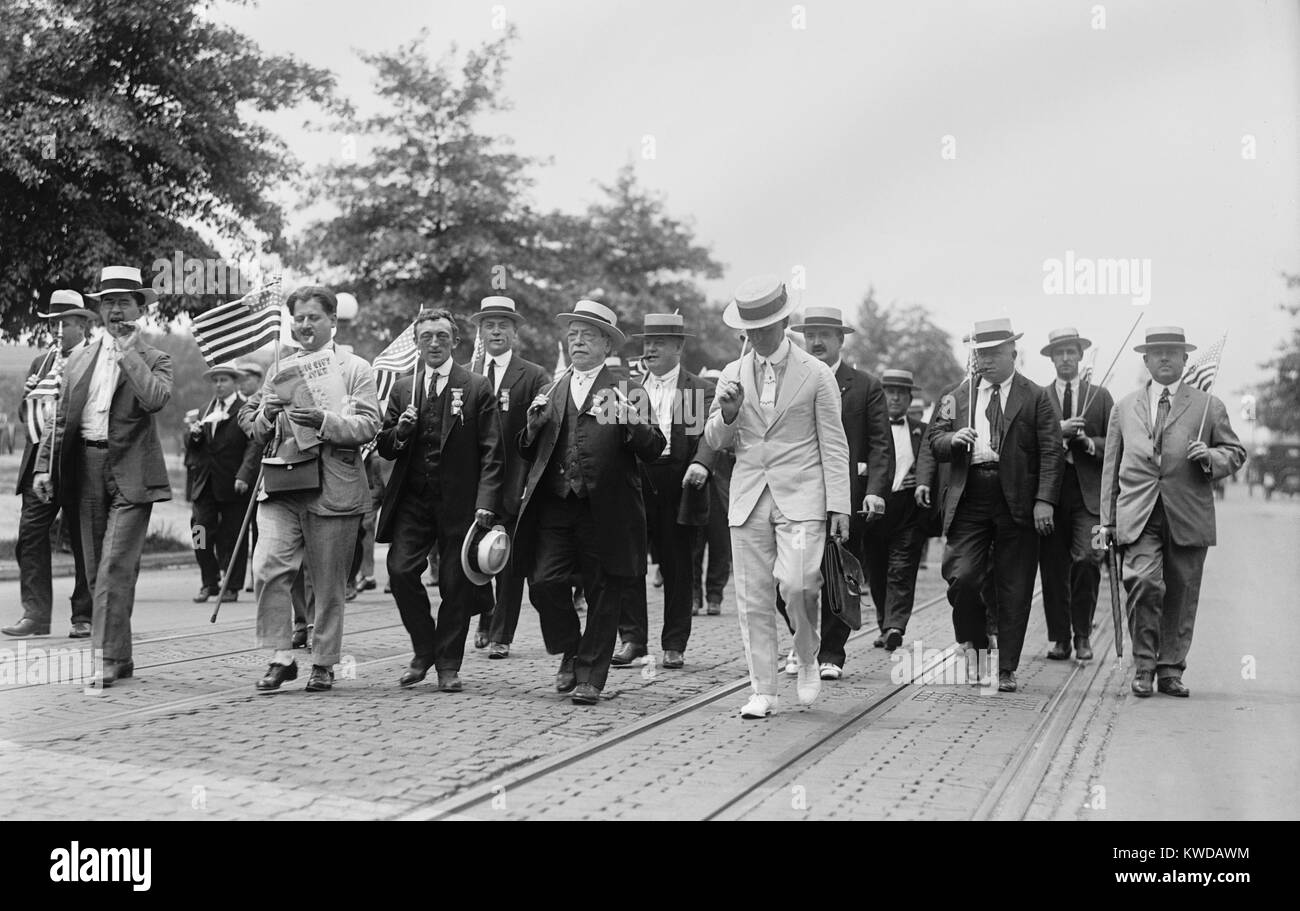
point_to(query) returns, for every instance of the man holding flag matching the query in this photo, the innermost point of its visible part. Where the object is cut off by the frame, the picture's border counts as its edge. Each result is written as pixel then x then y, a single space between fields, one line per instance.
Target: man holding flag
pixel 1168 442
pixel 67 312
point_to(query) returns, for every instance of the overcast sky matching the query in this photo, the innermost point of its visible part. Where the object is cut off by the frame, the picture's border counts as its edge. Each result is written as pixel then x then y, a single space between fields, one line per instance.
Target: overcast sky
pixel 822 147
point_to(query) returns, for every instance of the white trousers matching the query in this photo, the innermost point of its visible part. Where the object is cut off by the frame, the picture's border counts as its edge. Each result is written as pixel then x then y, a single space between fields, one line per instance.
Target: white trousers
pixel 768 551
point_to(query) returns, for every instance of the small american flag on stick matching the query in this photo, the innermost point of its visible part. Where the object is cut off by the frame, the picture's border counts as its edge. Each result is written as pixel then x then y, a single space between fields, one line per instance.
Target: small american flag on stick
pixel 1201 374
pixel 240 327
pixel 397 360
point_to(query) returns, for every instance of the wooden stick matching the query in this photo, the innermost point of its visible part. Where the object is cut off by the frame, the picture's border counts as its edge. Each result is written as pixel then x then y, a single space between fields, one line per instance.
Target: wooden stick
pixel 1206 413
pixel 1092 392
pixel 239 544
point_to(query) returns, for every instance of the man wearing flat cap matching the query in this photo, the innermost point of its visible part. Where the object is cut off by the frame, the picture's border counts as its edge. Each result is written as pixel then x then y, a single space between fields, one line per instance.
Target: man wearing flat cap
pixel 443 434
pixel 780 408
pixel 582 510
pixel 515 382
pixel 1069 565
pixel 72 323
pixel 673 486
pixel 893 545
pixel 1006 460
pixel 110 460
pixel 223 465
pixel 1168 442
pixel 865 417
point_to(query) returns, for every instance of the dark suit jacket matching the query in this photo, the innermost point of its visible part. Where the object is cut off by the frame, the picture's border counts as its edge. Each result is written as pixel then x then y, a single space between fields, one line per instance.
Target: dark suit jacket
pixel 217 458
pixel 690 412
pixel 522 383
pixel 471 462
pixel 1095 423
pixel 144 386
pixel 1029 464
pixel 42 365
pixel 608 459
pixel 865 416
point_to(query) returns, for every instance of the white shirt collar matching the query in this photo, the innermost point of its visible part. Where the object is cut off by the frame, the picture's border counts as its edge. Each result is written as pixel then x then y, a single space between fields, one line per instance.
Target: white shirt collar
pixel 1005 385
pixel 835 367
pixel 588 374
pixel 1156 387
pixel 669 378
pixel 501 360
pixel 777 357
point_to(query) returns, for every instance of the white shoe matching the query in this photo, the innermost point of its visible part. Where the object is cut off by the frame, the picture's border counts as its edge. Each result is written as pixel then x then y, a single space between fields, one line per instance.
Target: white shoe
pixel 809 686
pixel 792 663
pixel 760 706
pixel 831 672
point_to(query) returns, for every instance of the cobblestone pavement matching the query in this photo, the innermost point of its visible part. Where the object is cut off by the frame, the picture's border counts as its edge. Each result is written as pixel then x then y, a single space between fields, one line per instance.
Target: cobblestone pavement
pixel 189 738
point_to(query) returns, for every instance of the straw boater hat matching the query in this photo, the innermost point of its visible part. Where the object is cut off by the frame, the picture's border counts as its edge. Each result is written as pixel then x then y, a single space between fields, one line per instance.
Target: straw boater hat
pixel 671 325
pixel 67 303
pixel 758 302
pixel 251 368
pixel 114 279
pixel 1067 336
pixel 598 315
pixel 990 333
pixel 496 306
pixel 230 370
pixel 823 318
pixel 901 379
pixel 484 552
pixel 1164 335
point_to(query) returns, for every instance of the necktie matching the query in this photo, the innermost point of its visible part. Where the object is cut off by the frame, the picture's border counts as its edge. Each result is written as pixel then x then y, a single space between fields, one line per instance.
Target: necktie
pixel 1067 403
pixel 768 395
pixel 994 414
pixel 1162 415
pixel 492 374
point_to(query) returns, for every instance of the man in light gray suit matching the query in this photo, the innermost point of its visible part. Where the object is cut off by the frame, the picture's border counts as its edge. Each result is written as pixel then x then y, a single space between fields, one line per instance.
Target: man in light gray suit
pixel 104 455
pixel 1166 445
pixel 780 408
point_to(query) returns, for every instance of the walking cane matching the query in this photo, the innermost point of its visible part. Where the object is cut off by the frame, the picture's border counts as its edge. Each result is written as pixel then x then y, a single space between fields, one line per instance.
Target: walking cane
pixel 239 544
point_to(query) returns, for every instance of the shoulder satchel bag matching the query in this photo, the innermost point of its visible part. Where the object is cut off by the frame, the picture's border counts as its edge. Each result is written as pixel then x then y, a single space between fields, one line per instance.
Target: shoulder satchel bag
pixel 302 473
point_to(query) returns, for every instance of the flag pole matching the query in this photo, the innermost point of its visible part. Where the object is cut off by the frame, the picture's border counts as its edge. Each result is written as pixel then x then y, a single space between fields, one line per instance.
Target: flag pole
pixel 1092 393
pixel 971 380
pixel 1223 343
pixel 239 543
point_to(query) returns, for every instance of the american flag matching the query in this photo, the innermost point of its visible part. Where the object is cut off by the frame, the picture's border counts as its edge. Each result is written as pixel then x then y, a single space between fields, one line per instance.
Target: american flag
pixel 479 357
pixel 240 327
pixel 1201 374
pixel 397 360
pixel 41 402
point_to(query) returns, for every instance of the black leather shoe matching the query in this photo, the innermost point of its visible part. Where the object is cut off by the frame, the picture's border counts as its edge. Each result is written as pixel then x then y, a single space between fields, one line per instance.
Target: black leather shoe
pixel 350 592
pixel 565 680
pixel 1082 648
pixel 449 682
pixel 204 594
pixel 481 639
pixel 674 659
pixel 230 595
pixel 123 669
pixel 321 679
pixel 277 674
pixel 1007 682
pixel 1173 686
pixel 414 674
pixel 498 650
pixel 586 694
pixel 26 627
pixel 1059 651
pixel 80 630
pixel 893 639
pixel 714 609
pixel 366 584
pixel 627 654
pixel 300 638
pixel 879 641
pixel 1142 685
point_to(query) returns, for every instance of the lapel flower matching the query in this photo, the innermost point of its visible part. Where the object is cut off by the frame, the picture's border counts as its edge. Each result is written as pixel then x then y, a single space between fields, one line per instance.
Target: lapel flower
pixel 458 404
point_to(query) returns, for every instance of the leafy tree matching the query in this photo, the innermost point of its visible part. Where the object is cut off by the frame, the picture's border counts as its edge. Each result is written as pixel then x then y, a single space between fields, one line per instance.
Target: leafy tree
pixel 129 133
pixel 903 337
pixel 1278 400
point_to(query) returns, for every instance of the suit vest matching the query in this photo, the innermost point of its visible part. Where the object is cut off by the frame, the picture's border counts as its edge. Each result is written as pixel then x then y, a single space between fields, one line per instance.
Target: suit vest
pixel 564 474
pixel 426 445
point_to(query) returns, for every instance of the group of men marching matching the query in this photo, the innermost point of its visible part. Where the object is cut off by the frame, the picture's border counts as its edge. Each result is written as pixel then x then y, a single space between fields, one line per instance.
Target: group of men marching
pixel 510 475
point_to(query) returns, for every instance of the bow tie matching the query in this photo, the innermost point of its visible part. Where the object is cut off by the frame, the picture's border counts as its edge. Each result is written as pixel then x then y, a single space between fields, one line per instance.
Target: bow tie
pixel 898 422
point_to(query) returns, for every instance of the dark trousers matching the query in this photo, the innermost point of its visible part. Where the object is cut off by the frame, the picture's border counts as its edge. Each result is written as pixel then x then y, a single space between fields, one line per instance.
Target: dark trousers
pixel 673 545
pixel 33 554
pixel 983 519
pixel 1163 582
pixel 567 539
pixel 219 524
pixel 1070 566
pixel 717 537
pixel 893 555
pixel 835 632
pixel 440 643
pixel 502 616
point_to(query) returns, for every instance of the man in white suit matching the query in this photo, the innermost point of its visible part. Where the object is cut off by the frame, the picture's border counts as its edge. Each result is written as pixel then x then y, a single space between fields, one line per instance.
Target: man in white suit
pixel 780 408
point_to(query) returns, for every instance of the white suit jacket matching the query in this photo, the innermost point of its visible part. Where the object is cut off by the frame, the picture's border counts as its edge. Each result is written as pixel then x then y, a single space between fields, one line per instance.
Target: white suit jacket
pixel 801 454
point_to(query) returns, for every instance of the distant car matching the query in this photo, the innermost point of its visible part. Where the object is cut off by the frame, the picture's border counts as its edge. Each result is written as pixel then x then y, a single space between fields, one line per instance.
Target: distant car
pixel 1279 468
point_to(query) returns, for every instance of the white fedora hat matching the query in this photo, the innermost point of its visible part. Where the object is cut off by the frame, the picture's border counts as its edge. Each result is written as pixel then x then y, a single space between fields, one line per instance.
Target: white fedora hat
pixel 496 306
pixel 484 552
pixel 598 315
pixel 67 303
pixel 116 279
pixel 758 302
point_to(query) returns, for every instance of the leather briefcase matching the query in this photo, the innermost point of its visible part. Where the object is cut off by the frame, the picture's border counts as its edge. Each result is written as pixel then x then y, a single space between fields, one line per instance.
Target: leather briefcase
pixel 845 583
pixel 302 474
